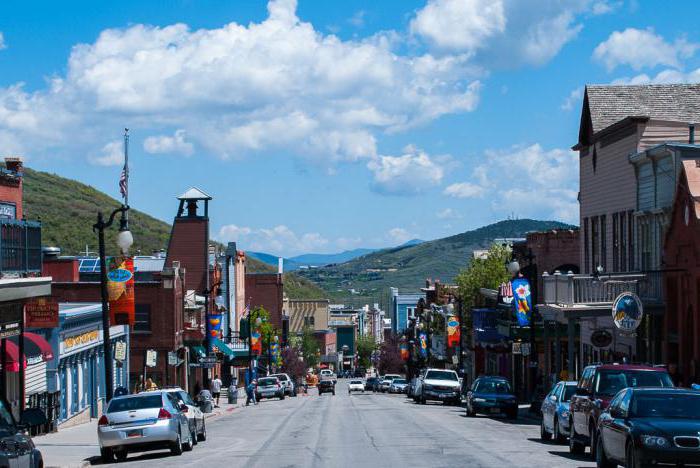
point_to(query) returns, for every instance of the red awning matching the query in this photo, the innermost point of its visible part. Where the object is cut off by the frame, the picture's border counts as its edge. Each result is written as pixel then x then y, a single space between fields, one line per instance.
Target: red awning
pixel 41 343
pixel 12 353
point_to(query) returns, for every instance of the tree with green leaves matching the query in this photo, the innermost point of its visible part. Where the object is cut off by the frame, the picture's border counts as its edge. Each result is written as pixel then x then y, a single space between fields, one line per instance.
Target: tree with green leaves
pixel 365 347
pixel 309 347
pixel 488 272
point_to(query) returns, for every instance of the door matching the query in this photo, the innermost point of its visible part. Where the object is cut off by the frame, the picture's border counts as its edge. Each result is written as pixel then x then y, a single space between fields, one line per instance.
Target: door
pixel 549 407
pixel 618 427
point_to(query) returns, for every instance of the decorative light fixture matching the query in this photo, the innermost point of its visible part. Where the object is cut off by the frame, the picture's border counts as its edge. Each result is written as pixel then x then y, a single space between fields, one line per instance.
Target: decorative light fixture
pixel 513 267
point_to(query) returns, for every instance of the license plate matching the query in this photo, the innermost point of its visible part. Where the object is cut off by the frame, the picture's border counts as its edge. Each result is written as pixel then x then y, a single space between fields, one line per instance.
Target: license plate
pixel 495 410
pixel 134 433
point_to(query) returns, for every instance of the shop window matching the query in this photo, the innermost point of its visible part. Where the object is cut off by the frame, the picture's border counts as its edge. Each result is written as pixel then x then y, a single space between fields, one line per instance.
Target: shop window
pixel 142 321
pixel 309 321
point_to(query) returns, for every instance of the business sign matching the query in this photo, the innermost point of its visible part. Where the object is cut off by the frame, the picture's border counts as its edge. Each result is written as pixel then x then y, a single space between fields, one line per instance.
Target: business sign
pixel 601 338
pixel 453 332
pixel 41 313
pixel 84 339
pixel 516 348
pixel 522 301
pixel 120 289
pixel 8 211
pixel 151 357
pixel 120 351
pixel 627 312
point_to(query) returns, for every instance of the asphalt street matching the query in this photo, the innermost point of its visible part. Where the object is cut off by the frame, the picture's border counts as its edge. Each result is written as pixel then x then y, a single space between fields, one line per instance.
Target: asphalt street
pixel 364 430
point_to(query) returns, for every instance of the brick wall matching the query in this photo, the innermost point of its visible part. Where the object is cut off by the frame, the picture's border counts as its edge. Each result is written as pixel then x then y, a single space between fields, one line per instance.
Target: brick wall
pixel 11 185
pixel 189 242
pixel 61 269
pixel 265 289
pixel 554 250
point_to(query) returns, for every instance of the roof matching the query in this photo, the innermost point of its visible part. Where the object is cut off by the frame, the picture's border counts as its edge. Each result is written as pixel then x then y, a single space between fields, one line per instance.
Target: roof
pixel 193 193
pixel 143 264
pixel 609 104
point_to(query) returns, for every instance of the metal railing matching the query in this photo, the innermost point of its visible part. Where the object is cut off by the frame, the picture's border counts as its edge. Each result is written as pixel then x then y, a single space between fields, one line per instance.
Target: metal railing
pixel 20 247
pixel 570 289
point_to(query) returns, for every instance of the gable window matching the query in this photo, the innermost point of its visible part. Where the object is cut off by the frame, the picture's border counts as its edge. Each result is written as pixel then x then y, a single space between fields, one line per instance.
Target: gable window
pixel 142 321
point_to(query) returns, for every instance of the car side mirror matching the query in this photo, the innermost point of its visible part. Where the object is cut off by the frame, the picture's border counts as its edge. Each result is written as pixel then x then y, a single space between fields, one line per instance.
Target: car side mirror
pixel 553 397
pixel 617 413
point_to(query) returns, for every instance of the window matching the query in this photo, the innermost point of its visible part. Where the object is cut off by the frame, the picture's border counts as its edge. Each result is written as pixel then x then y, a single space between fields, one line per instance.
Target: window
pixel 411 311
pixel 623 241
pixel 309 321
pixel 603 243
pixel 616 243
pixel 631 242
pixel 646 240
pixel 595 243
pixel 586 248
pixel 142 321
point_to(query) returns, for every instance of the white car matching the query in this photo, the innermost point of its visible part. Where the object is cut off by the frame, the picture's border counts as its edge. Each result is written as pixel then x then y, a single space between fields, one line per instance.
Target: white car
pixel 356 385
pixel 328 374
pixel 286 383
pixel 194 414
pixel 439 385
pixel 385 383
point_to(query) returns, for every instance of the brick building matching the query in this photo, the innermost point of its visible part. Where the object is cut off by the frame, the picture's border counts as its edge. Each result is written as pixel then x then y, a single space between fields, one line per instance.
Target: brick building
pixel 265 290
pixel 556 250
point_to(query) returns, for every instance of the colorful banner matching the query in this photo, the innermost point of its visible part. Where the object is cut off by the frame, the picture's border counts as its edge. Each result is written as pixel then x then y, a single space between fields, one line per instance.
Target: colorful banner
pixel 120 289
pixel 255 342
pixel 453 332
pixel 423 344
pixel 275 352
pixel 403 348
pixel 214 325
pixel 522 301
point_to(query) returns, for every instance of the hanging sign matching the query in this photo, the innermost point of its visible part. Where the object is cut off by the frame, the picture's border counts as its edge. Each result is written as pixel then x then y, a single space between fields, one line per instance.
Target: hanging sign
pixel 120 351
pixel 214 326
pixel 255 342
pixel 120 289
pixel 403 348
pixel 41 313
pixel 522 301
pixel 151 357
pixel 627 312
pixel 423 344
pixel 517 349
pixel 453 332
pixel 601 338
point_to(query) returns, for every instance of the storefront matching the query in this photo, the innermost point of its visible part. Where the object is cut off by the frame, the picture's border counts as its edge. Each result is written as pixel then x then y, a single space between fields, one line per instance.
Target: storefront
pixel 76 370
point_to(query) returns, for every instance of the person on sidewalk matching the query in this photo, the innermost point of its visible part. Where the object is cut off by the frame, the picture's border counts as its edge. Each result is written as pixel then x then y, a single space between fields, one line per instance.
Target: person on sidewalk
pixel 250 393
pixel 150 385
pixel 215 388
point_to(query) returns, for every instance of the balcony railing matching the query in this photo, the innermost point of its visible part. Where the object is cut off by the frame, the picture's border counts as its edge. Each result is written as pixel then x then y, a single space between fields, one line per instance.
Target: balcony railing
pixel 20 247
pixel 569 289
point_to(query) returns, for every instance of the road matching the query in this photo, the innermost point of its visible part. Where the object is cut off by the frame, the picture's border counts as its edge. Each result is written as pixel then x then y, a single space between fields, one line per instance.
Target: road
pixel 364 430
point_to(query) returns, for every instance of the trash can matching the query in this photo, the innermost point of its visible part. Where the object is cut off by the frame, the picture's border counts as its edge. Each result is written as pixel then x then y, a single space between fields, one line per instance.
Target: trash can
pixel 233 395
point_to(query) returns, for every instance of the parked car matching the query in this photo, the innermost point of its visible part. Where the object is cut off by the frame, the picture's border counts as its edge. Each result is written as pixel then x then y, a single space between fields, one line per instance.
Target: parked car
pixel 356 385
pixel 555 411
pixel 326 386
pixel 145 421
pixel 286 383
pixel 439 385
pixel 269 387
pixel 398 386
pixel 386 382
pixel 372 383
pixel 650 425
pixel 492 395
pixel 360 372
pixel 328 374
pixel 17 447
pixel 194 414
pixel 596 387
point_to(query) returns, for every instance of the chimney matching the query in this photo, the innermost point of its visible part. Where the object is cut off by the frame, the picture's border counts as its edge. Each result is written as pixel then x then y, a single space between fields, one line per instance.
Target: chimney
pixel 691 133
pixel 14 164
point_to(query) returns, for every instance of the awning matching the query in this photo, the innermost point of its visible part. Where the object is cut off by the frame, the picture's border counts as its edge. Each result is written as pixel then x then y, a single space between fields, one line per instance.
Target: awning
pixel 221 346
pixel 35 345
pixel 12 356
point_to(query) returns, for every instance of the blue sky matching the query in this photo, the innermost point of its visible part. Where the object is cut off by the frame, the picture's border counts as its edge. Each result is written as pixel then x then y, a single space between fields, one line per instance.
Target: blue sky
pixel 325 126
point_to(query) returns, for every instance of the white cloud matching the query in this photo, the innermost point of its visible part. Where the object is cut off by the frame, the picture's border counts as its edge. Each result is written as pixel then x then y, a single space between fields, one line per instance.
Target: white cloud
pixel 279 240
pixel 279 84
pixel 642 48
pixel 398 236
pixel 408 174
pixel 448 213
pixel 358 18
pixel 527 181
pixel 3 44
pixel 572 99
pixel 112 154
pixel 668 76
pixel 164 144
pixel 464 190
pixel 604 7
pixel 503 33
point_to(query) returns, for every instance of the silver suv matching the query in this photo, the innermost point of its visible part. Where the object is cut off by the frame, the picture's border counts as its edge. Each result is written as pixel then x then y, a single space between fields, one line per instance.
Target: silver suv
pixel 286 383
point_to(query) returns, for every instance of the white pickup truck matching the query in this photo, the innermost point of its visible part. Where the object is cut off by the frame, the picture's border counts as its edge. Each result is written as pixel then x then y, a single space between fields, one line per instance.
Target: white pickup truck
pixel 328 374
pixel 438 385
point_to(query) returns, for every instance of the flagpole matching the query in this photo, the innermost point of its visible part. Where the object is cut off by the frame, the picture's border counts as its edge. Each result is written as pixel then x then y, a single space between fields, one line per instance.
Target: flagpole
pixel 126 171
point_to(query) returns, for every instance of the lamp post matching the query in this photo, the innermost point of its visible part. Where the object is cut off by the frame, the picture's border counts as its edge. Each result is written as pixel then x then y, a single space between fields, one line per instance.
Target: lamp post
pixel 124 240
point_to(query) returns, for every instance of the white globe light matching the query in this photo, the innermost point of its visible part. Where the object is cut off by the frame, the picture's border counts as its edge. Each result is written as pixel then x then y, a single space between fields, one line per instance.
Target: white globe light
pixel 125 240
pixel 513 267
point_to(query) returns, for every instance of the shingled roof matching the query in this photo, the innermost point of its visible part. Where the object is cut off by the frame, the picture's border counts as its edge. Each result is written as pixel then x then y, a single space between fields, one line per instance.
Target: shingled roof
pixel 605 105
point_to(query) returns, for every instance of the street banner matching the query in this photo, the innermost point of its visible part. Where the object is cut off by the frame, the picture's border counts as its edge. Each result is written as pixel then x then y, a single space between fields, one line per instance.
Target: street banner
pixel 214 325
pixel 41 313
pixel 453 332
pixel 403 348
pixel 255 342
pixel 423 344
pixel 120 289
pixel 522 301
pixel 275 352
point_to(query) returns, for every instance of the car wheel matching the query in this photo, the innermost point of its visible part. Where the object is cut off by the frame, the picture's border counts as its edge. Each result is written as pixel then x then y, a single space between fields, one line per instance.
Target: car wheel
pixel 594 441
pixel 189 445
pixel 512 415
pixel 121 455
pixel 193 437
pixel 282 397
pixel 601 459
pixel 558 437
pixel 631 460
pixel 575 447
pixel 422 399
pixel 202 436
pixel 333 392
pixel 544 435
pixel 107 455
pixel 176 447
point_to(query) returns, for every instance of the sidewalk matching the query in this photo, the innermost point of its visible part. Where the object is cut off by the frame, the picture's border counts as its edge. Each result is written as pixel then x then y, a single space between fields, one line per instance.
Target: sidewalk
pixel 77 446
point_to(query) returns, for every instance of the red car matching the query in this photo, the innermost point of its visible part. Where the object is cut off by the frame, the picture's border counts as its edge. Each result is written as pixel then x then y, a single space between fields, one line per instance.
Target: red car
pixel 598 384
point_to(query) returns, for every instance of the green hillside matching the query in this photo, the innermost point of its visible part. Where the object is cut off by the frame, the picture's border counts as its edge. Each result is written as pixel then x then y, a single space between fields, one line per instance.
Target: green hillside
pixel 68 209
pixel 407 267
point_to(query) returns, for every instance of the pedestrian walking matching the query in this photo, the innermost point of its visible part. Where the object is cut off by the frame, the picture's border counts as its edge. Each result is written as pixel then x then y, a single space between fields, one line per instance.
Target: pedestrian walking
pixel 215 388
pixel 250 393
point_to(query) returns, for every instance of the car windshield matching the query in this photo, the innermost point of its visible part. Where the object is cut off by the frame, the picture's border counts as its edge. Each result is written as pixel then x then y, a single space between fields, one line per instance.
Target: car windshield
pixel 441 375
pixel 569 391
pixel 493 386
pixel 281 378
pixel 268 381
pixel 135 403
pixel 399 381
pixel 663 405
pixel 184 396
pixel 356 382
pixel 609 382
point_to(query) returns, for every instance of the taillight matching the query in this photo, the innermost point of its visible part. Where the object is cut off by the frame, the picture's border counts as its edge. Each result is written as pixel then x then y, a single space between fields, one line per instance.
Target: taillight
pixel 103 421
pixel 164 414
pixel 184 409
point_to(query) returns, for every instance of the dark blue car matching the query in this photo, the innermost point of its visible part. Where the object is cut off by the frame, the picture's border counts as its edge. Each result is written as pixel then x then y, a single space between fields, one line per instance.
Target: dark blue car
pixel 492 395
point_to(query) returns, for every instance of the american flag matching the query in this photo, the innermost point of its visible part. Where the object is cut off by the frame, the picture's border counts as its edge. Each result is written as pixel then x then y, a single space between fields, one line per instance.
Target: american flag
pixel 123 183
pixel 246 310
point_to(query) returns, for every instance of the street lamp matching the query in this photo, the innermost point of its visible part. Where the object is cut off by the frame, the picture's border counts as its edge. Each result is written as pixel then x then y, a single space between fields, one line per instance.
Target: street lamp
pixel 124 241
